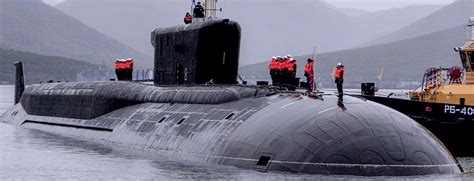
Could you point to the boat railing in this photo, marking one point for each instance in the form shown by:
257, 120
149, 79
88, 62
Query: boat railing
468, 77
435, 77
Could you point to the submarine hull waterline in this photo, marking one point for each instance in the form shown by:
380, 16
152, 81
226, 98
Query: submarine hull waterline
238, 126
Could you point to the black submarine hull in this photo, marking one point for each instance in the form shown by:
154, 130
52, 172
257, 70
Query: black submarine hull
246, 127
452, 124
249, 127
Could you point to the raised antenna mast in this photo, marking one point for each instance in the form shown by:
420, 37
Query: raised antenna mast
471, 26
210, 8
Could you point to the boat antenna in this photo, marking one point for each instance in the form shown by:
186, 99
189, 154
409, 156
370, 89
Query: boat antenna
314, 52
380, 76
224, 15
193, 4
210, 9
471, 26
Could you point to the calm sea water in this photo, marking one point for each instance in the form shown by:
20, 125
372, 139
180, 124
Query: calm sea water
33, 155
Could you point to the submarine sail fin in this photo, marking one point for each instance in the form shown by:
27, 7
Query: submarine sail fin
19, 81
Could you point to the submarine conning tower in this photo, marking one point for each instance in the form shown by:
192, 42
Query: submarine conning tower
197, 53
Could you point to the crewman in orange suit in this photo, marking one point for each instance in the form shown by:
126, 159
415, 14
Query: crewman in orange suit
339, 76
309, 74
292, 69
285, 71
129, 69
279, 70
119, 67
188, 19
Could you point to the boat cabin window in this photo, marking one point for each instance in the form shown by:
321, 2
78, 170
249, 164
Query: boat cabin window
467, 59
471, 60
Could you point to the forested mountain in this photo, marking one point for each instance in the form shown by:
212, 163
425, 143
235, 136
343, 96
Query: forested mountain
32, 26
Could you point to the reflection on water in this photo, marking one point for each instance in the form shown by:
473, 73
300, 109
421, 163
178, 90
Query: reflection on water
32, 155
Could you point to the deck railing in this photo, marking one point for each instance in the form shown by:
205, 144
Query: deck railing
143, 75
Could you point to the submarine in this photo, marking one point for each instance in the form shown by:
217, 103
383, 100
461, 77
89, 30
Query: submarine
196, 112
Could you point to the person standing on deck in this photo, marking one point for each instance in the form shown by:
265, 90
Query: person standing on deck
309, 74
339, 76
292, 72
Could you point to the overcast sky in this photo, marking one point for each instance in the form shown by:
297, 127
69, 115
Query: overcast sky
371, 5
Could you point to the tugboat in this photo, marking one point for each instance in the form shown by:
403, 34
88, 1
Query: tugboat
445, 102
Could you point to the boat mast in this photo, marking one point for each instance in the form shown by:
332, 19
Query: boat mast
471, 26
210, 9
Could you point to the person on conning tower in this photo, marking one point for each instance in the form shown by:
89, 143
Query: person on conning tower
198, 11
188, 19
